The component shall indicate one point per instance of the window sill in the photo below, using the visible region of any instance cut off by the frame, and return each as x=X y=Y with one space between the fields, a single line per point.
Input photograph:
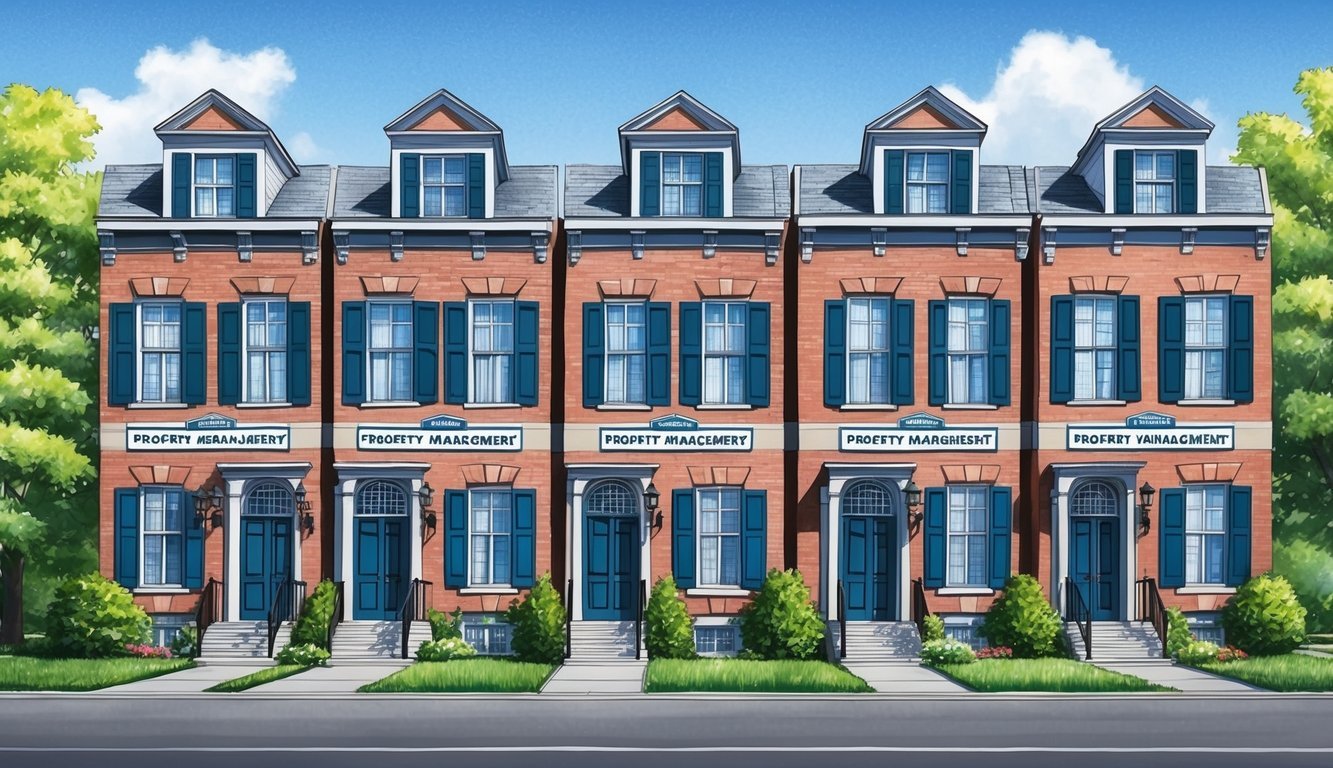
x=970 y=407
x=488 y=591
x=964 y=591
x=868 y=407
x=624 y=407
x=474 y=406
x=163 y=591
x=1206 y=589
x=158 y=406
x=262 y=405
x=717 y=592
x=1206 y=401
x=719 y=407
x=391 y=404
x=1095 y=403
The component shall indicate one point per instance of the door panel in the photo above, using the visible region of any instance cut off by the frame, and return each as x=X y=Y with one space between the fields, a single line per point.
x=856 y=579
x=369 y=570
x=610 y=567
x=869 y=568
x=625 y=566
x=886 y=567
x=1095 y=565
x=266 y=562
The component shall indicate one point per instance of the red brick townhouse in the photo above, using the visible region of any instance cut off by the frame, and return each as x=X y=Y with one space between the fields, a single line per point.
x=211 y=405
x=906 y=388
x=1151 y=358
x=672 y=459
x=441 y=307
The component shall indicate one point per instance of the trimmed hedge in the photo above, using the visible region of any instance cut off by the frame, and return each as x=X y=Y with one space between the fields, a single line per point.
x=669 y=630
x=1264 y=617
x=94 y=617
x=1023 y=619
x=781 y=622
x=538 y=621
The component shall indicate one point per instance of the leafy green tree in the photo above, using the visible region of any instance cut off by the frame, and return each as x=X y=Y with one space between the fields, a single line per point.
x=48 y=295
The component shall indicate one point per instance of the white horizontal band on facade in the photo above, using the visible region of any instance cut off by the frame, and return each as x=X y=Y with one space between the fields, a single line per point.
x=442 y=225
x=268 y=224
x=825 y=436
x=588 y=437
x=115 y=437
x=1249 y=435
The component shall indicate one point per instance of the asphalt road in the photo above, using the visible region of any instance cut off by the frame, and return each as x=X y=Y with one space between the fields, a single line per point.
x=591 y=733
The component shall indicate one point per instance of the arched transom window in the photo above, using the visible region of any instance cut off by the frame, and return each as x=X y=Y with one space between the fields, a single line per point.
x=381 y=498
x=1095 y=498
x=867 y=498
x=611 y=498
x=268 y=498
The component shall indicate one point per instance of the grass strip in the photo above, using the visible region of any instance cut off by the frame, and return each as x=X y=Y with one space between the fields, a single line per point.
x=28 y=673
x=750 y=676
x=1290 y=672
x=265 y=675
x=477 y=675
x=1044 y=675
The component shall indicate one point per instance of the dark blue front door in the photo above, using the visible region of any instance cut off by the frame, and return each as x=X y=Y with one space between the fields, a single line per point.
x=266 y=562
x=1095 y=550
x=381 y=567
x=610 y=567
x=869 y=568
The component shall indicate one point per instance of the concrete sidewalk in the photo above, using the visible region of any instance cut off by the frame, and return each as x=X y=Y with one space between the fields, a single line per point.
x=610 y=677
x=1182 y=678
x=192 y=680
x=903 y=677
x=341 y=678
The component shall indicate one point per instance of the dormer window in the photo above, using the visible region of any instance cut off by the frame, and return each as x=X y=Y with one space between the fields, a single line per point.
x=682 y=184
x=214 y=185
x=444 y=186
x=928 y=182
x=1154 y=182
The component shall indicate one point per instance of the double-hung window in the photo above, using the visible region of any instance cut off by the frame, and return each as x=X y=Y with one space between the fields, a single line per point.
x=927 y=182
x=682 y=184
x=1094 y=348
x=214 y=185
x=492 y=351
x=390 y=351
x=724 y=352
x=444 y=185
x=967 y=536
x=266 y=350
x=162 y=537
x=492 y=515
x=1205 y=346
x=1154 y=181
x=968 y=350
x=868 y=350
x=626 y=352
x=719 y=537
x=1205 y=534
x=160 y=352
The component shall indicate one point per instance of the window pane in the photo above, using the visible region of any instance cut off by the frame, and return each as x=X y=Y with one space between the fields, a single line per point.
x=152 y=559
x=431 y=170
x=671 y=168
x=694 y=168
x=735 y=380
x=916 y=199
x=203 y=202
x=224 y=170
x=635 y=380
x=937 y=198
x=1166 y=166
x=1143 y=165
x=455 y=201
x=916 y=165
x=937 y=166
x=454 y=172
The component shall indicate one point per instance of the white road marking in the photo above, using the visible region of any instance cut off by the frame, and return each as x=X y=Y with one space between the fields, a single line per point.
x=576 y=748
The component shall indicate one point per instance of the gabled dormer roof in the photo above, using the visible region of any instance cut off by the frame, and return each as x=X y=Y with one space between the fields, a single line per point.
x=445 y=116
x=679 y=115
x=929 y=112
x=1153 y=112
x=214 y=113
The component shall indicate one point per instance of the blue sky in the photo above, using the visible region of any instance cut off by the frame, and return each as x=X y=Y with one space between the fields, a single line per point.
x=800 y=80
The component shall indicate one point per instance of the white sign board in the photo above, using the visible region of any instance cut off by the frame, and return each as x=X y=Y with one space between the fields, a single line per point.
x=675 y=433
x=1180 y=438
x=209 y=433
x=892 y=439
x=406 y=437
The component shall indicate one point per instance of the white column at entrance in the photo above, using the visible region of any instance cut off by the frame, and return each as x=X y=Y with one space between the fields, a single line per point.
x=231 y=549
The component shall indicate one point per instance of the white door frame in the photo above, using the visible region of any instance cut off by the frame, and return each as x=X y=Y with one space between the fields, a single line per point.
x=580 y=477
x=841 y=475
x=350 y=474
x=1121 y=474
x=237 y=480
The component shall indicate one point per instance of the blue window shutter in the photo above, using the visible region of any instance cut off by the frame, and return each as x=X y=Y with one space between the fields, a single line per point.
x=476 y=186
x=893 y=181
x=455 y=539
x=712 y=184
x=594 y=354
x=121 y=385
x=246 y=179
x=939 y=351
x=193 y=562
x=757 y=357
x=1128 y=371
x=354 y=352
x=682 y=537
x=298 y=352
x=1000 y=318
x=754 y=539
x=650 y=183
x=229 y=353
x=937 y=508
x=902 y=374
x=1171 y=539
x=1187 y=181
x=425 y=352
x=1170 y=349
x=835 y=352
x=1238 y=534
x=691 y=353
x=455 y=352
x=182 y=182
x=658 y=385
x=194 y=353
x=526 y=343
x=1000 y=534
x=1124 y=181
x=127 y=536
x=962 y=181
x=1062 y=349
x=409 y=186
x=525 y=538
x=1240 y=355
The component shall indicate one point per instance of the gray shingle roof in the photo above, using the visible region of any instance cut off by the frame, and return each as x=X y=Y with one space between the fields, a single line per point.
x=363 y=192
x=136 y=190
x=761 y=191
x=1229 y=189
x=304 y=196
x=1233 y=189
x=1060 y=191
x=842 y=189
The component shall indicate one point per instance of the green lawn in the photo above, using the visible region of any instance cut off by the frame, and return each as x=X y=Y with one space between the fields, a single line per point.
x=26 y=673
x=476 y=675
x=266 y=675
x=1054 y=675
x=750 y=676
x=1291 y=672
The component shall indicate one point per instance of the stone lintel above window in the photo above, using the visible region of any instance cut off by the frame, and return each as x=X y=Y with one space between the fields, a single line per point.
x=718 y=475
x=159 y=286
x=725 y=288
x=971 y=473
x=629 y=288
x=160 y=474
x=1208 y=473
x=876 y=285
x=374 y=286
x=978 y=286
x=493 y=286
x=1208 y=283
x=1098 y=284
x=489 y=474
x=263 y=285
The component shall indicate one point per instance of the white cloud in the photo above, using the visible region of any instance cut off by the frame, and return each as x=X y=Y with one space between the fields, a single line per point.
x=303 y=148
x=168 y=80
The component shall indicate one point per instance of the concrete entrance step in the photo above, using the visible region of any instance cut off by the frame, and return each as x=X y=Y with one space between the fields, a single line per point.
x=240 y=640
x=878 y=641
x=594 y=642
x=364 y=640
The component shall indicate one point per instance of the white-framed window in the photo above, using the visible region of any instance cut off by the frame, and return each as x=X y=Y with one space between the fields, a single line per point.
x=380 y=498
x=390 y=351
x=1205 y=346
x=270 y=499
x=719 y=536
x=927 y=182
x=626 y=352
x=1095 y=498
x=964 y=630
x=716 y=639
x=968 y=513
x=162 y=533
x=492 y=351
x=265 y=350
x=868 y=350
x=214 y=185
x=1205 y=534
x=969 y=349
x=1154 y=181
x=160 y=352
x=491 y=519
x=488 y=636
x=682 y=184
x=724 y=352
x=1094 y=347
x=444 y=185
x=1207 y=627
x=166 y=626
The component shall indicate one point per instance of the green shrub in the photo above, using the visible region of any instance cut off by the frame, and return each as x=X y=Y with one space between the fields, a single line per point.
x=932 y=628
x=781 y=622
x=186 y=642
x=94 y=617
x=669 y=630
x=1196 y=652
x=538 y=633
x=946 y=651
x=1024 y=620
x=1178 y=633
x=445 y=626
x=312 y=626
x=303 y=655
x=1264 y=617
x=1309 y=568
x=445 y=650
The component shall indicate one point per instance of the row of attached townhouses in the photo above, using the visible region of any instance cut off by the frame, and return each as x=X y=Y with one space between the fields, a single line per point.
x=909 y=376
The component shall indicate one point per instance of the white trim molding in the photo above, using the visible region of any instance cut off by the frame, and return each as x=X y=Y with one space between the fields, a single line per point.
x=1124 y=476
x=841 y=475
